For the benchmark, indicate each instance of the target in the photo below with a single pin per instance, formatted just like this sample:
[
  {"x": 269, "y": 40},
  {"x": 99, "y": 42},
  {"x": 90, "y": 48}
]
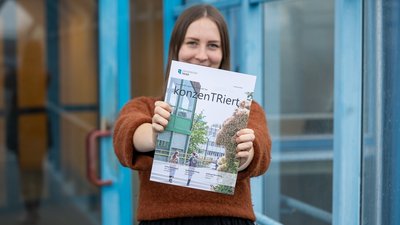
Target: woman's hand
[
  {"x": 145, "y": 137},
  {"x": 162, "y": 112},
  {"x": 244, "y": 149}
]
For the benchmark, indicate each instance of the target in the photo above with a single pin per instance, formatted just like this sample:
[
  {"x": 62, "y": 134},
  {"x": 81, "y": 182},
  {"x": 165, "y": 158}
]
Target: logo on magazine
[{"x": 185, "y": 72}]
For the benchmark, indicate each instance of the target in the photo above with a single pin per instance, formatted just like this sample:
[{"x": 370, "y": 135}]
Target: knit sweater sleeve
[
  {"x": 132, "y": 115},
  {"x": 261, "y": 144}
]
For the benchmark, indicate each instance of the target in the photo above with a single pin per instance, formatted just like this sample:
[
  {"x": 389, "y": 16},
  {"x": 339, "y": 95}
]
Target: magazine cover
[{"x": 197, "y": 149}]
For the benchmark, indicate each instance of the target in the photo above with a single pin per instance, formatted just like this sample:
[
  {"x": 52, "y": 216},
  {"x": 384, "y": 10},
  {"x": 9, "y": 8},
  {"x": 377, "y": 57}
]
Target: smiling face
[{"x": 202, "y": 44}]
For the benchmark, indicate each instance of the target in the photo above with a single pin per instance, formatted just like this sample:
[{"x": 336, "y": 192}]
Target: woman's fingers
[
  {"x": 159, "y": 123},
  {"x": 163, "y": 109},
  {"x": 245, "y": 131},
  {"x": 163, "y": 105},
  {"x": 243, "y": 154},
  {"x": 162, "y": 112},
  {"x": 244, "y": 139},
  {"x": 246, "y": 146},
  {"x": 245, "y": 135},
  {"x": 160, "y": 120},
  {"x": 157, "y": 127}
]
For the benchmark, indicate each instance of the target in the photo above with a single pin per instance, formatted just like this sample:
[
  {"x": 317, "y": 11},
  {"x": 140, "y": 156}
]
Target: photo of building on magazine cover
[{"x": 198, "y": 148}]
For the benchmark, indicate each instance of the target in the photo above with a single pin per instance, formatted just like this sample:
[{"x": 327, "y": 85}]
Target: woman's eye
[
  {"x": 191, "y": 43},
  {"x": 213, "y": 46}
]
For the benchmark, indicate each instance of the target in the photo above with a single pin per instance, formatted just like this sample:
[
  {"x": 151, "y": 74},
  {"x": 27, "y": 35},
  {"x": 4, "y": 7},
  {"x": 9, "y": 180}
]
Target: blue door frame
[
  {"x": 114, "y": 64},
  {"x": 348, "y": 112},
  {"x": 348, "y": 81}
]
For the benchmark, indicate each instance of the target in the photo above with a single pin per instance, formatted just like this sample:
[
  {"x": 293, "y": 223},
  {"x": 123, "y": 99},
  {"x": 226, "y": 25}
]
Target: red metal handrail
[{"x": 92, "y": 156}]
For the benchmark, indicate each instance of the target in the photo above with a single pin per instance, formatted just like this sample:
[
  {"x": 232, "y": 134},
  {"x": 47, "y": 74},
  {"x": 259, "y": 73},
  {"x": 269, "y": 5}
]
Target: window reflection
[
  {"x": 299, "y": 38},
  {"x": 48, "y": 104}
]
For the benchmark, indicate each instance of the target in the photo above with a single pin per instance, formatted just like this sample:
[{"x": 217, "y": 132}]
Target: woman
[
  {"x": 173, "y": 165},
  {"x": 199, "y": 37}
]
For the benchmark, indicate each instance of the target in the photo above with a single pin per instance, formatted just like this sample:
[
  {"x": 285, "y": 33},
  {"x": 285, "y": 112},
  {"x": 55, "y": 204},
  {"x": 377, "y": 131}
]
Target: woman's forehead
[{"x": 203, "y": 28}]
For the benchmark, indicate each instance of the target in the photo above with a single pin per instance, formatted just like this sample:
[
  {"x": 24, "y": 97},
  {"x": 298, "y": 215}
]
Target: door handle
[{"x": 92, "y": 157}]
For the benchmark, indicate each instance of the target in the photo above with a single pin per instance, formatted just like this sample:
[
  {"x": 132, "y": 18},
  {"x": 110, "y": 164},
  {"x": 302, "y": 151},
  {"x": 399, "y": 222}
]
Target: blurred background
[{"x": 68, "y": 66}]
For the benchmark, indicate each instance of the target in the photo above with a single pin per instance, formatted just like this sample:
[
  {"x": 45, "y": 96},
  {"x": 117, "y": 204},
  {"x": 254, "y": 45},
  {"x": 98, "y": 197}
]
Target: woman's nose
[{"x": 201, "y": 54}]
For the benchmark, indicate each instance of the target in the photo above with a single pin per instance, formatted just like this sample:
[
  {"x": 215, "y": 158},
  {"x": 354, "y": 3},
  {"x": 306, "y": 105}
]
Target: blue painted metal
[
  {"x": 114, "y": 92},
  {"x": 264, "y": 220},
  {"x": 52, "y": 48},
  {"x": 312, "y": 143},
  {"x": 250, "y": 40},
  {"x": 124, "y": 94},
  {"x": 347, "y": 112},
  {"x": 395, "y": 131},
  {"x": 371, "y": 208},
  {"x": 169, "y": 19},
  {"x": 390, "y": 57},
  {"x": 221, "y": 5},
  {"x": 257, "y": 193},
  {"x": 53, "y": 92},
  {"x": 272, "y": 105},
  {"x": 262, "y": 1},
  {"x": 395, "y": 104},
  {"x": 308, "y": 209},
  {"x": 232, "y": 18},
  {"x": 370, "y": 82},
  {"x": 250, "y": 61},
  {"x": 9, "y": 63},
  {"x": 227, "y": 4},
  {"x": 124, "y": 57},
  {"x": 251, "y": 51}
]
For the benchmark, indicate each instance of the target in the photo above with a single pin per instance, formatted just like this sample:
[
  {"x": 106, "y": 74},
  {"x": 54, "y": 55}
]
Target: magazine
[{"x": 197, "y": 149}]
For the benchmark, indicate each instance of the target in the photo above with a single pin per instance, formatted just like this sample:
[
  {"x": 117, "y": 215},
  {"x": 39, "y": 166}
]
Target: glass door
[
  {"x": 299, "y": 95},
  {"x": 53, "y": 108}
]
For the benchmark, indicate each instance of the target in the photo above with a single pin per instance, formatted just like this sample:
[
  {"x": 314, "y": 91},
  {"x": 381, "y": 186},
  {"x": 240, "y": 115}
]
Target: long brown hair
[{"x": 190, "y": 15}]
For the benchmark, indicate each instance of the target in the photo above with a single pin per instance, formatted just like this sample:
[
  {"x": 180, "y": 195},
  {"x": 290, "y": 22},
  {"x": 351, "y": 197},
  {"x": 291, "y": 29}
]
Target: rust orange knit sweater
[{"x": 163, "y": 201}]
